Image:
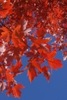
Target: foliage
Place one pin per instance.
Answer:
(28, 27)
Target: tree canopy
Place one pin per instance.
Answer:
(36, 29)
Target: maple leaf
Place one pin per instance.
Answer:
(39, 41)
(36, 64)
(7, 9)
(9, 76)
(45, 72)
(40, 32)
(15, 90)
(15, 69)
(15, 41)
(5, 34)
(6, 4)
(51, 54)
(54, 63)
(42, 41)
(31, 73)
(17, 38)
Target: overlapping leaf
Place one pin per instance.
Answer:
(16, 68)
(53, 62)
(15, 90)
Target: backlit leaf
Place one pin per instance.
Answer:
(31, 73)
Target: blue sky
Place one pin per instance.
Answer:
(40, 89)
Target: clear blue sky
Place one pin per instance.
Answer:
(40, 89)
